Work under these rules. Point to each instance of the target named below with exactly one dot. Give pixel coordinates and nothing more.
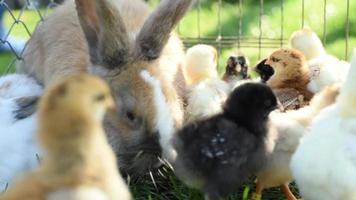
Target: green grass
(6, 60)
(167, 185)
(164, 185)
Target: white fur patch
(164, 120)
(18, 147)
(18, 85)
(80, 193)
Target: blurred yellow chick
(308, 42)
(78, 162)
(325, 69)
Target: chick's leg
(285, 189)
(257, 195)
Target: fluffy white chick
(206, 98)
(201, 63)
(18, 152)
(324, 165)
(291, 127)
(325, 69)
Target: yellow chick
(325, 69)
(308, 42)
(78, 162)
(198, 67)
(206, 92)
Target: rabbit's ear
(158, 27)
(105, 32)
(26, 106)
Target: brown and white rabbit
(119, 41)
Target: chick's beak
(268, 62)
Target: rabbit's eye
(130, 116)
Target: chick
(206, 92)
(325, 69)
(201, 64)
(206, 99)
(290, 78)
(218, 154)
(78, 162)
(324, 165)
(291, 127)
(236, 69)
(265, 71)
(308, 42)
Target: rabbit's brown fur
(120, 40)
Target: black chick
(218, 154)
(236, 69)
(265, 71)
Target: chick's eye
(275, 59)
(99, 97)
(268, 103)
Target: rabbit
(18, 149)
(18, 85)
(118, 41)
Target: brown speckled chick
(78, 163)
(290, 78)
(218, 154)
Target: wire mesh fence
(232, 26)
(15, 19)
(252, 31)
